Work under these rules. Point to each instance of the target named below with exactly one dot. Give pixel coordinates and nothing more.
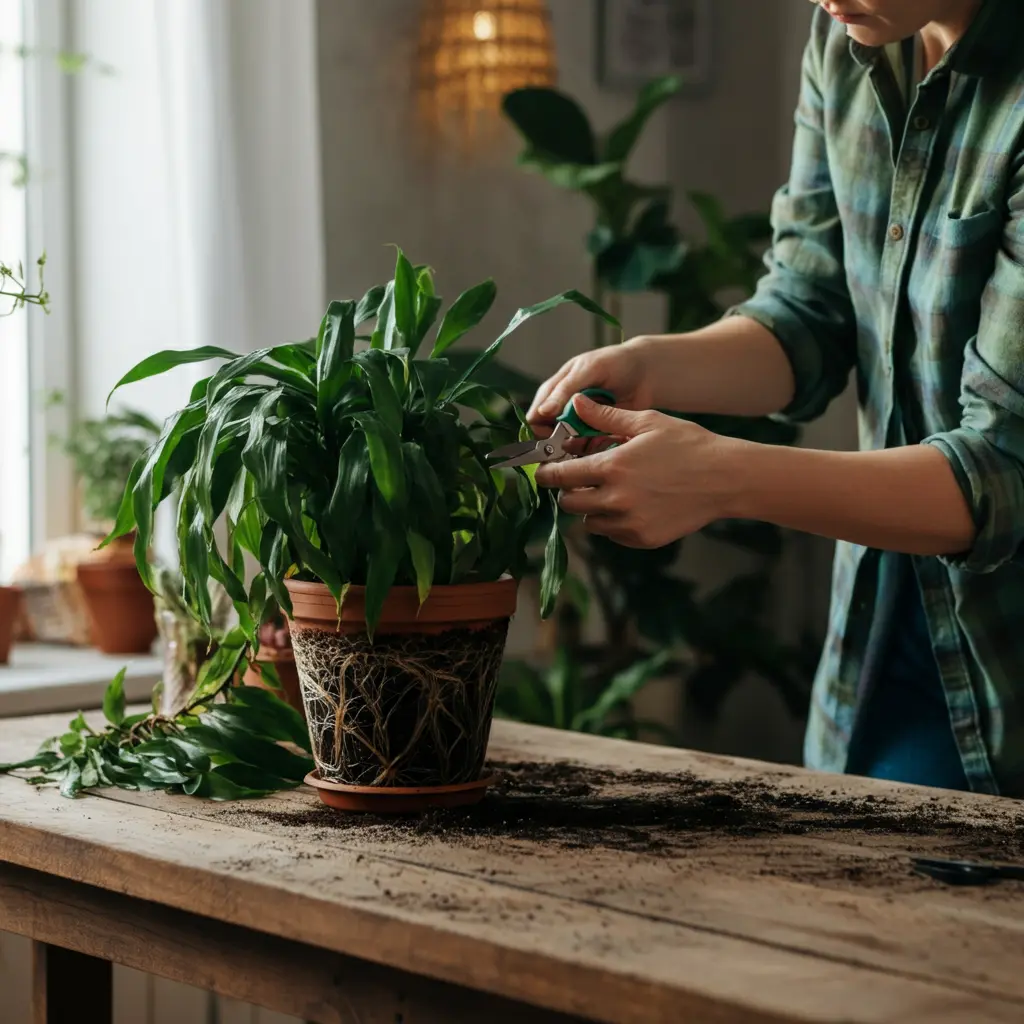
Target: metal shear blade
(529, 453)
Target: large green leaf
(340, 522)
(271, 716)
(552, 123)
(622, 688)
(161, 362)
(521, 317)
(384, 331)
(385, 449)
(405, 295)
(465, 313)
(334, 354)
(624, 136)
(386, 404)
(389, 546)
(556, 563)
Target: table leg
(70, 987)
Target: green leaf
(574, 177)
(386, 464)
(218, 670)
(369, 304)
(432, 376)
(335, 345)
(340, 522)
(552, 123)
(405, 295)
(44, 759)
(384, 331)
(427, 308)
(465, 313)
(422, 552)
(386, 404)
(556, 563)
(528, 313)
(223, 731)
(161, 362)
(625, 135)
(275, 718)
(72, 781)
(389, 546)
(113, 700)
(256, 781)
(214, 785)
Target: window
(15, 480)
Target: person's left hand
(667, 478)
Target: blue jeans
(903, 732)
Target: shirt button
(922, 123)
(896, 233)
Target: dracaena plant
(354, 458)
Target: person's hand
(624, 370)
(669, 478)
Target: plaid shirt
(899, 252)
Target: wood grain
(204, 957)
(605, 935)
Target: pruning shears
(568, 427)
(965, 872)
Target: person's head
(880, 22)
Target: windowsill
(43, 678)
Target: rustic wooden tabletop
(600, 881)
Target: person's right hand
(624, 370)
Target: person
(897, 253)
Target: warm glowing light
(484, 25)
(469, 58)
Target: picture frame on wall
(642, 39)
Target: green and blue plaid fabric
(899, 253)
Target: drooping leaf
(556, 563)
(528, 313)
(422, 553)
(161, 362)
(465, 313)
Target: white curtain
(196, 186)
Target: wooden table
(267, 902)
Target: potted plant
(353, 469)
(120, 610)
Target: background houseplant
(354, 472)
(654, 619)
(120, 609)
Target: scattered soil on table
(657, 814)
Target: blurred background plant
(655, 624)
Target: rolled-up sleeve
(987, 450)
(803, 299)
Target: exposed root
(409, 710)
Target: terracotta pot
(284, 664)
(412, 708)
(121, 612)
(10, 603)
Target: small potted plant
(120, 610)
(353, 468)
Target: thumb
(611, 419)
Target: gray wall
(481, 217)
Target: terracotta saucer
(397, 799)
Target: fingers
(554, 394)
(539, 412)
(589, 472)
(612, 419)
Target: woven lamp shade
(472, 52)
